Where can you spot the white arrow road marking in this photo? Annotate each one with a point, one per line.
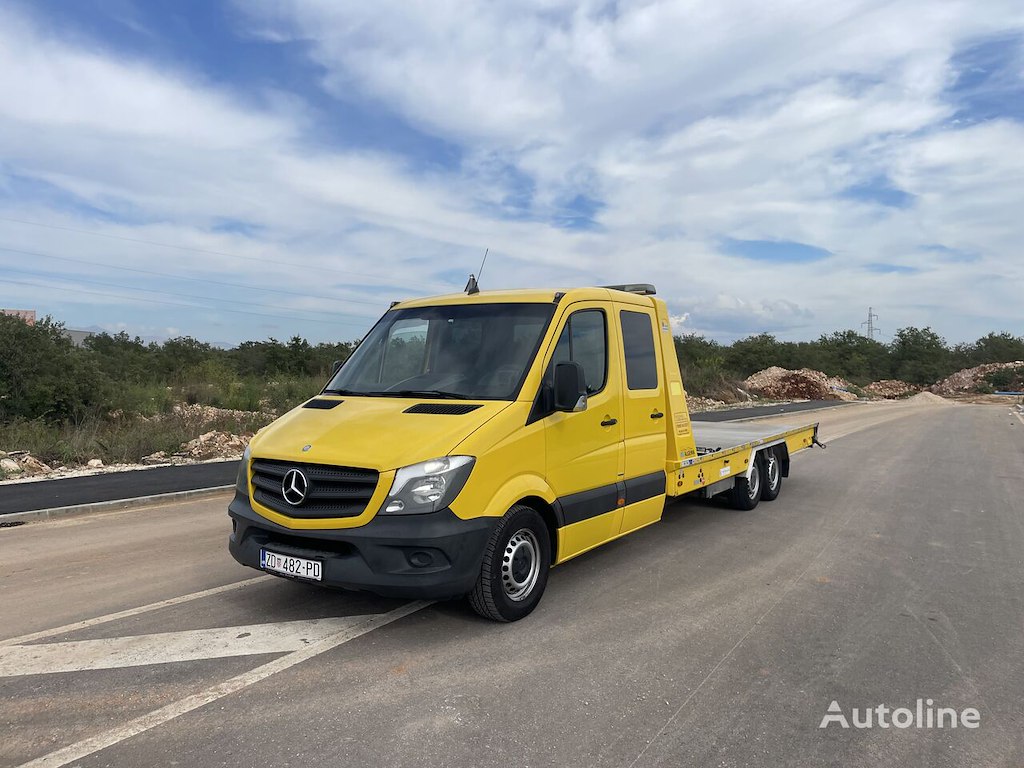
(160, 716)
(169, 647)
(135, 611)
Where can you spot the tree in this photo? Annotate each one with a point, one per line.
(122, 358)
(693, 348)
(854, 357)
(994, 348)
(43, 375)
(182, 354)
(755, 353)
(920, 356)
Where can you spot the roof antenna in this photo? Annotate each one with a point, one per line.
(472, 286)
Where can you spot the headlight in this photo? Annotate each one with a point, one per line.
(242, 480)
(427, 486)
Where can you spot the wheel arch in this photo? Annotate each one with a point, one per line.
(783, 450)
(547, 513)
(779, 447)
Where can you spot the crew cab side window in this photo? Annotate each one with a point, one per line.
(638, 343)
(584, 340)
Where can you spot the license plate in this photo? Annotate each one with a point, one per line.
(299, 567)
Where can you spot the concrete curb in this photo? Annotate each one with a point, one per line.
(112, 506)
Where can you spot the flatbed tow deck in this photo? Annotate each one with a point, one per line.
(720, 445)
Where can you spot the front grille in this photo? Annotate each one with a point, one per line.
(331, 491)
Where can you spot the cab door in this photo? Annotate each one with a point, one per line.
(644, 416)
(584, 449)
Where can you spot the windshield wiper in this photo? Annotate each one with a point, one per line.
(438, 393)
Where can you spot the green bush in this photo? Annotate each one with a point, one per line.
(42, 375)
(1006, 379)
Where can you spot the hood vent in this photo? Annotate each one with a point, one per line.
(322, 404)
(445, 409)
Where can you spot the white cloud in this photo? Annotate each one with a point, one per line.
(689, 123)
(49, 83)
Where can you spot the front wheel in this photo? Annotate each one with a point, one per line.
(514, 570)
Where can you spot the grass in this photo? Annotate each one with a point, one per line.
(710, 380)
(141, 420)
(118, 440)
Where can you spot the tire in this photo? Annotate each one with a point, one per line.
(771, 475)
(746, 493)
(514, 571)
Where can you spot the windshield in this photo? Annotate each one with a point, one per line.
(480, 352)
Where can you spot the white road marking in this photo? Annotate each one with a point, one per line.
(132, 611)
(160, 716)
(169, 647)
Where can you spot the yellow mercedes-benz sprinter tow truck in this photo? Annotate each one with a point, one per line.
(472, 441)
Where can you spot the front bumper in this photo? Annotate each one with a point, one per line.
(435, 556)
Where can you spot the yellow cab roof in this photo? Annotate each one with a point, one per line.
(527, 296)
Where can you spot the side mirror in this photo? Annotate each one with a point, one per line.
(570, 388)
(335, 367)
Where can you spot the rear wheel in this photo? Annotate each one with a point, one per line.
(514, 571)
(771, 485)
(746, 491)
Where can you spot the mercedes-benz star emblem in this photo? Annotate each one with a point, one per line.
(294, 487)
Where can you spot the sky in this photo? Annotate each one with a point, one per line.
(244, 170)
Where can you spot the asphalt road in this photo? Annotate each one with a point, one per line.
(758, 411)
(889, 570)
(114, 486)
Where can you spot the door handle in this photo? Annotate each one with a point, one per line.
(609, 422)
(657, 415)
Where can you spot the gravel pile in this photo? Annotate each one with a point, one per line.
(891, 389)
(803, 384)
(969, 379)
(210, 445)
(208, 413)
(697, 404)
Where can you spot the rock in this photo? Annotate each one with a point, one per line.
(160, 457)
(22, 462)
(214, 445)
(33, 466)
(94, 463)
